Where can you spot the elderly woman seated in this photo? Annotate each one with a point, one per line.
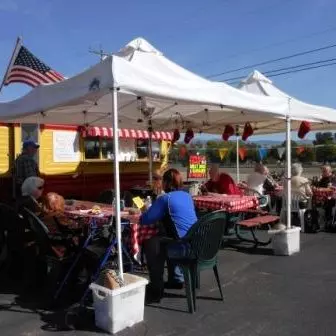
(256, 180)
(50, 208)
(31, 191)
(300, 185)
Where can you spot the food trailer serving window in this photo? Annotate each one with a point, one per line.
(143, 151)
(133, 144)
(92, 148)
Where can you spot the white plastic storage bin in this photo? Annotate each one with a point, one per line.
(286, 242)
(119, 308)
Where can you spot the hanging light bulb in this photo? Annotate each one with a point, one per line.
(139, 103)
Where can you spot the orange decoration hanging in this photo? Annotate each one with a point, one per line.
(242, 153)
(300, 150)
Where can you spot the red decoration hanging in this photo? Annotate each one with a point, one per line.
(176, 135)
(188, 136)
(304, 128)
(248, 131)
(242, 153)
(228, 131)
(183, 151)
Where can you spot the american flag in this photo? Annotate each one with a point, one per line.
(29, 70)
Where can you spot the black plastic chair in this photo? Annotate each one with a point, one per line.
(57, 251)
(11, 233)
(202, 241)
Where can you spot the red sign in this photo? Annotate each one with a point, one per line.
(197, 166)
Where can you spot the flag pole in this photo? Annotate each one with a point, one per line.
(12, 60)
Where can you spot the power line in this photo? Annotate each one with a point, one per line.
(269, 72)
(295, 71)
(274, 60)
(268, 46)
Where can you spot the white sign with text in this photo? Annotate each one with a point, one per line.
(66, 146)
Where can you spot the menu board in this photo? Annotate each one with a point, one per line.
(66, 146)
(197, 167)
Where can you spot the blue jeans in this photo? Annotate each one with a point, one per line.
(157, 253)
(176, 251)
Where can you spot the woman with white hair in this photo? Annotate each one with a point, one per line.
(32, 190)
(256, 180)
(300, 184)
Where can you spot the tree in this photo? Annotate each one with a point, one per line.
(323, 138)
(252, 155)
(308, 155)
(326, 153)
(293, 144)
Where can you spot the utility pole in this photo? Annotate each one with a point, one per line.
(99, 52)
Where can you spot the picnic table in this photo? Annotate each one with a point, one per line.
(81, 210)
(229, 203)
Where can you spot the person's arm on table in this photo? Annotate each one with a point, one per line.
(156, 212)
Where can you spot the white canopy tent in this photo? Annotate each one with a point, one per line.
(139, 70)
(137, 84)
(259, 84)
(323, 117)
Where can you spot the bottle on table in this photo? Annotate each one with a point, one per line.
(148, 202)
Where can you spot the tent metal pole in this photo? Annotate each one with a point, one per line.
(237, 153)
(117, 177)
(289, 164)
(150, 153)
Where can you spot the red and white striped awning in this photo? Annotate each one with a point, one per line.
(106, 132)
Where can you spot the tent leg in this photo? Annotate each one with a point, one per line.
(289, 172)
(150, 154)
(237, 153)
(117, 177)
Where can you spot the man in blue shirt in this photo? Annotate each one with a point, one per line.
(176, 211)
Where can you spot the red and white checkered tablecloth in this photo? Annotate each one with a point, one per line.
(138, 233)
(323, 194)
(230, 203)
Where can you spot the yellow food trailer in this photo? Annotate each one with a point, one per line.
(77, 162)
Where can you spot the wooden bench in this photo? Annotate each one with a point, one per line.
(252, 224)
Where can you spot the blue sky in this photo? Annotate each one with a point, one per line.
(205, 36)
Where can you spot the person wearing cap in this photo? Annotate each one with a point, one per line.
(25, 164)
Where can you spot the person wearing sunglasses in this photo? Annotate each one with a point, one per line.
(32, 190)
